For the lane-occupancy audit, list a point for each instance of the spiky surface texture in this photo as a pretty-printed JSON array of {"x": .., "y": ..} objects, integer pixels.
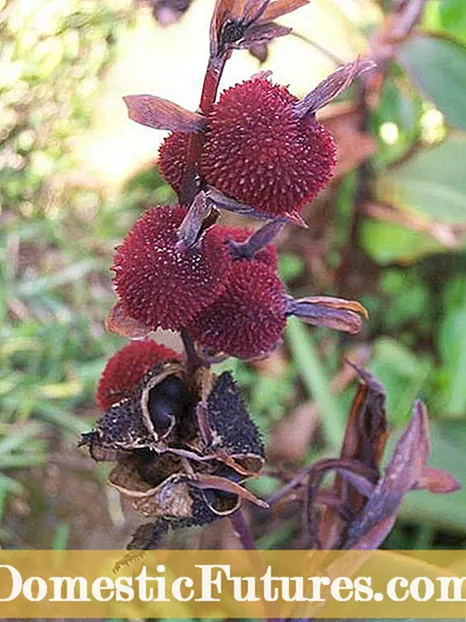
[
  {"x": 125, "y": 370},
  {"x": 258, "y": 150},
  {"x": 161, "y": 286},
  {"x": 267, "y": 255},
  {"x": 172, "y": 158},
  {"x": 248, "y": 319},
  {"x": 261, "y": 153}
]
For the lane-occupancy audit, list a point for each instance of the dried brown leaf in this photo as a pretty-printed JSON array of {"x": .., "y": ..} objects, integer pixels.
[
  {"x": 333, "y": 85},
  {"x": 335, "y": 313},
  {"x": 437, "y": 481},
  {"x": 215, "y": 482},
  {"x": 119, "y": 322},
  {"x": 278, "y": 8},
  {"x": 162, "y": 114}
]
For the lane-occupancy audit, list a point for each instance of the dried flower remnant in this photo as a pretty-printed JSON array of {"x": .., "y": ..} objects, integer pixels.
[
  {"x": 359, "y": 510},
  {"x": 237, "y": 24},
  {"x": 182, "y": 446},
  {"x": 158, "y": 284}
]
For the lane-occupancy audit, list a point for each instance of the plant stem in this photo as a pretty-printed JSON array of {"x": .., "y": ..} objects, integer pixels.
[{"x": 247, "y": 541}]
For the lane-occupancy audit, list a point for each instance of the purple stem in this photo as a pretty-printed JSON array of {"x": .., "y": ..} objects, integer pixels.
[
  {"x": 258, "y": 240},
  {"x": 247, "y": 541}
]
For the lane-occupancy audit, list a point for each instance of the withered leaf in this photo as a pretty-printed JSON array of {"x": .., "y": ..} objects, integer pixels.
[
  {"x": 334, "y": 313},
  {"x": 332, "y": 86},
  {"x": 162, "y": 114},
  {"x": 215, "y": 482},
  {"x": 401, "y": 475},
  {"x": 278, "y": 8},
  {"x": 437, "y": 481},
  {"x": 120, "y": 323}
]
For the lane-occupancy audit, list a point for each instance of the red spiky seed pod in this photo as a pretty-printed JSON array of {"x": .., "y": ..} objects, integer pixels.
[
  {"x": 172, "y": 158},
  {"x": 158, "y": 283},
  {"x": 125, "y": 370},
  {"x": 259, "y": 151},
  {"x": 248, "y": 319}
]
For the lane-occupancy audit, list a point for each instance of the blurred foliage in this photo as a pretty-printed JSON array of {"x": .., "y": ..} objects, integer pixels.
[{"x": 58, "y": 231}]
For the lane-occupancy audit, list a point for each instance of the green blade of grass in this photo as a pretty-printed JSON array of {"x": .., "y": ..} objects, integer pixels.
[{"x": 316, "y": 381}]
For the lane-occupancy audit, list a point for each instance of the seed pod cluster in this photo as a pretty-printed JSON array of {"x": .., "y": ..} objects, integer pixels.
[
  {"x": 180, "y": 438},
  {"x": 182, "y": 444},
  {"x": 231, "y": 304}
]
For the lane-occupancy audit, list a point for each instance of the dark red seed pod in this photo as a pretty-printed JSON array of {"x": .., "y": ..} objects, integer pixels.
[
  {"x": 248, "y": 319},
  {"x": 262, "y": 153},
  {"x": 125, "y": 370},
  {"x": 267, "y": 255},
  {"x": 172, "y": 158},
  {"x": 161, "y": 285}
]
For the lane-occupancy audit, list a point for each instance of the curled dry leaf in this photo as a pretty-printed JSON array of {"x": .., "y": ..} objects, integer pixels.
[
  {"x": 332, "y": 86},
  {"x": 437, "y": 481},
  {"x": 360, "y": 508},
  {"x": 215, "y": 482},
  {"x": 162, "y": 114},
  {"x": 401, "y": 475},
  {"x": 118, "y": 322},
  {"x": 335, "y": 313},
  {"x": 278, "y": 8}
]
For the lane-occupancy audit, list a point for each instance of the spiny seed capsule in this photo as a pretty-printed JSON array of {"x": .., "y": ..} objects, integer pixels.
[
  {"x": 258, "y": 150},
  {"x": 125, "y": 370},
  {"x": 158, "y": 283},
  {"x": 172, "y": 159},
  {"x": 248, "y": 319}
]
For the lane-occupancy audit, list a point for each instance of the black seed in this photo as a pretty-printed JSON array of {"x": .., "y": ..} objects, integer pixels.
[{"x": 166, "y": 402}]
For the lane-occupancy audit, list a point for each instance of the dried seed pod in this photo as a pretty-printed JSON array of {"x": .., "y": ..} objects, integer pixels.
[
  {"x": 146, "y": 416},
  {"x": 183, "y": 446},
  {"x": 248, "y": 319},
  {"x": 166, "y": 496},
  {"x": 232, "y": 428},
  {"x": 125, "y": 370},
  {"x": 160, "y": 284}
]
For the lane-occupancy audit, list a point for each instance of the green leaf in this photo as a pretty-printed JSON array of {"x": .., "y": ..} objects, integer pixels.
[
  {"x": 315, "y": 378},
  {"x": 437, "y": 66},
  {"x": 452, "y": 347},
  {"x": 453, "y": 17},
  {"x": 432, "y": 183},
  {"x": 403, "y": 374},
  {"x": 388, "y": 242}
]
